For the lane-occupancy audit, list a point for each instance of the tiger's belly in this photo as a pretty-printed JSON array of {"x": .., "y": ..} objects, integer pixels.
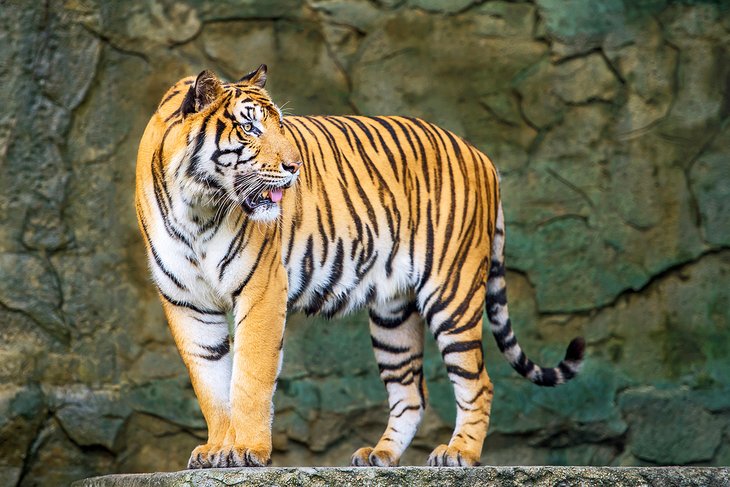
[{"x": 333, "y": 278}]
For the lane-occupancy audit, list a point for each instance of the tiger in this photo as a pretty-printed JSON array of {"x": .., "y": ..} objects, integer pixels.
[{"x": 250, "y": 214}]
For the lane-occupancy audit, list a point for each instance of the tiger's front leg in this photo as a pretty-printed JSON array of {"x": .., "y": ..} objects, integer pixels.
[
  {"x": 202, "y": 338},
  {"x": 260, "y": 313}
]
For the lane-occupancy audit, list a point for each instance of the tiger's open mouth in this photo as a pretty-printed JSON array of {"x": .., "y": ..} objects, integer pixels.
[{"x": 269, "y": 196}]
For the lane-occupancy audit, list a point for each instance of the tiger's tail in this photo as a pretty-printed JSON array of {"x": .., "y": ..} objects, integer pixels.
[{"x": 498, "y": 315}]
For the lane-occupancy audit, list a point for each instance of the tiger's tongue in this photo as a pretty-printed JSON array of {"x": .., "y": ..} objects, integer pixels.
[{"x": 276, "y": 195}]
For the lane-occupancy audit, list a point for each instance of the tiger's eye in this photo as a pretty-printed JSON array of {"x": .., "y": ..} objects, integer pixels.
[{"x": 248, "y": 126}]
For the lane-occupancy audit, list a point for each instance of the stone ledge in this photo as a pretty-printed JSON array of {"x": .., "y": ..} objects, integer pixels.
[{"x": 425, "y": 477}]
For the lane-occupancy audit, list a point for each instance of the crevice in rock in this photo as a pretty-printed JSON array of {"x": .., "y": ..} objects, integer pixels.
[
  {"x": 33, "y": 447},
  {"x": 628, "y": 293},
  {"x": 109, "y": 42},
  {"x": 572, "y": 186}
]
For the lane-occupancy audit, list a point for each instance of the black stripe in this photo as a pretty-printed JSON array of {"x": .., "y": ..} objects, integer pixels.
[
  {"x": 305, "y": 273},
  {"x": 156, "y": 257},
  {"x": 217, "y": 352},
  {"x": 455, "y": 269},
  {"x": 326, "y": 289},
  {"x": 169, "y": 97},
  {"x": 233, "y": 249},
  {"x": 420, "y": 155},
  {"x": 405, "y": 379},
  {"x": 387, "y": 348},
  {"x": 385, "y": 123},
  {"x": 474, "y": 321},
  {"x": 391, "y": 323},
  {"x": 422, "y": 390},
  {"x": 483, "y": 390},
  {"x": 496, "y": 269},
  {"x": 566, "y": 370},
  {"x": 401, "y": 364},
  {"x": 328, "y": 211},
  {"x": 461, "y": 372},
  {"x": 549, "y": 377},
  {"x": 208, "y": 322},
  {"x": 190, "y": 306},
  {"x": 429, "y": 248},
  {"x": 386, "y": 149},
  {"x": 458, "y": 347},
  {"x": 428, "y": 131},
  {"x": 407, "y": 408},
  {"x": 257, "y": 261},
  {"x": 322, "y": 238}
]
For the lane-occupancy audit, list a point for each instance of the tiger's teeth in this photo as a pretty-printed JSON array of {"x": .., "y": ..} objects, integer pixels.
[{"x": 265, "y": 194}]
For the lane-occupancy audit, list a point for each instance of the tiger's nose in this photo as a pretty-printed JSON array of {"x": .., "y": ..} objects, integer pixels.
[{"x": 291, "y": 167}]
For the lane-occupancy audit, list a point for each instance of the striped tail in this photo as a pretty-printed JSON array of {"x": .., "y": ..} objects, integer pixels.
[{"x": 498, "y": 315}]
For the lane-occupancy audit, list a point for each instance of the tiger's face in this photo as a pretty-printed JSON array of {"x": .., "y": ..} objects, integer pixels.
[{"x": 240, "y": 152}]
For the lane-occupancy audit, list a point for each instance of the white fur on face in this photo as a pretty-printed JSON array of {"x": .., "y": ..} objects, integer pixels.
[
  {"x": 268, "y": 213},
  {"x": 246, "y": 111}
]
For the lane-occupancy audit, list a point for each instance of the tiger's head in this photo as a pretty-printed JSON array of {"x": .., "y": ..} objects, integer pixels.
[{"x": 237, "y": 145}]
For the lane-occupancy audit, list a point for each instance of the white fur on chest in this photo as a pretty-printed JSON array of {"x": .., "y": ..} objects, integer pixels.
[
  {"x": 207, "y": 267},
  {"x": 222, "y": 264}
]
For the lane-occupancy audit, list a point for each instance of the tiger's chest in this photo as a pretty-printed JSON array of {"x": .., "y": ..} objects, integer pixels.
[
  {"x": 222, "y": 260},
  {"x": 204, "y": 264}
]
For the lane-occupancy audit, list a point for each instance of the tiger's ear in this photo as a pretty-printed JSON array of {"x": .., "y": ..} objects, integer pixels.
[
  {"x": 207, "y": 88},
  {"x": 257, "y": 77}
]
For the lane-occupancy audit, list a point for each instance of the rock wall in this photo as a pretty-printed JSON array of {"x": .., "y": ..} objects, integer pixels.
[{"x": 608, "y": 120}]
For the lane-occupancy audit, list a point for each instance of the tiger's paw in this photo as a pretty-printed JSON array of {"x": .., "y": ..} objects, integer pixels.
[
  {"x": 449, "y": 456},
  {"x": 200, "y": 457},
  {"x": 233, "y": 456},
  {"x": 371, "y": 457}
]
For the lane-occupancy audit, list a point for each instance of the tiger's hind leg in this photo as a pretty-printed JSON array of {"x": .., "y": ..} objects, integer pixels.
[
  {"x": 396, "y": 331},
  {"x": 454, "y": 315}
]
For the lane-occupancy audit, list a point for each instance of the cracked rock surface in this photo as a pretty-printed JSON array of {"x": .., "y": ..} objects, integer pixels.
[
  {"x": 426, "y": 477},
  {"x": 608, "y": 120}
]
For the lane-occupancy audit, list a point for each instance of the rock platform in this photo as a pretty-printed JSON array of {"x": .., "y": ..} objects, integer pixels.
[{"x": 425, "y": 477}]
